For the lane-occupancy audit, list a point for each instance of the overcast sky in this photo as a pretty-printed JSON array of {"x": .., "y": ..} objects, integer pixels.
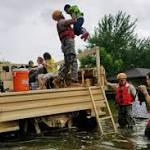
[{"x": 27, "y": 30}]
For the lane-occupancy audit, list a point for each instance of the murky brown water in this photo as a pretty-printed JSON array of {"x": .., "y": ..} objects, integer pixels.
[{"x": 83, "y": 140}]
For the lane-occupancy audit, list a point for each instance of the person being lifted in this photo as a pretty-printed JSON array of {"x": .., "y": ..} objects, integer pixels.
[
  {"x": 75, "y": 12},
  {"x": 66, "y": 36}
]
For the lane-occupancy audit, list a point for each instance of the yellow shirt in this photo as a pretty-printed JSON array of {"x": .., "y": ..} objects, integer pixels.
[{"x": 51, "y": 66}]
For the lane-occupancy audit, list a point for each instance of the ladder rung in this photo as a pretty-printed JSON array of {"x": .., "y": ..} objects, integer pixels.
[
  {"x": 109, "y": 133},
  {"x": 103, "y": 100},
  {"x": 104, "y": 118}
]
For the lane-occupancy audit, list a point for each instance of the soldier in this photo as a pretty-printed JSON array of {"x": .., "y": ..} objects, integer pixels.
[{"x": 66, "y": 36}]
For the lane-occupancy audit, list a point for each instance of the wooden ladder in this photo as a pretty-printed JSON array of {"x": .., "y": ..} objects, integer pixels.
[{"x": 101, "y": 119}]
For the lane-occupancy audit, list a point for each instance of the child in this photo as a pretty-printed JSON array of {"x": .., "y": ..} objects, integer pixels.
[
  {"x": 51, "y": 68},
  {"x": 75, "y": 12}
]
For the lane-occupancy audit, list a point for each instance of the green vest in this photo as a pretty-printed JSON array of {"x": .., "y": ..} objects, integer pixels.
[{"x": 76, "y": 11}]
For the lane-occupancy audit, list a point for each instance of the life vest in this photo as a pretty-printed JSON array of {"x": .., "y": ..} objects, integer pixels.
[
  {"x": 66, "y": 34},
  {"x": 74, "y": 10},
  {"x": 123, "y": 97}
]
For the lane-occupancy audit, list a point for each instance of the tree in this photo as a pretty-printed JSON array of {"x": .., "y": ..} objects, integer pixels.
[
  {"x": 138, "y": 54},
  {"x": 120, "y": 47}
]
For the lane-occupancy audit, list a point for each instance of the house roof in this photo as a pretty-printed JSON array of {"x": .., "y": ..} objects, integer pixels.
[
  {"x": 134, "y": 73},
  {"x": 137, "y": 72}
]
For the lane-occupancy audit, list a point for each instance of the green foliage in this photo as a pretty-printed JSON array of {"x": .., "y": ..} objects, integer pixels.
[
  {"x": 114, "y": 33},
  {"x": 138, "y": 54},
  {"x": 118, "y": 65},
  {"x": 120, "y": 47},
  {"x": 106, "y": 59},
  {"x": 88, "y": 62}
]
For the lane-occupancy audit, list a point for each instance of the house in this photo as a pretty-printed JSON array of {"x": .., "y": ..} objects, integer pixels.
[{"x": 135, "y": 75}]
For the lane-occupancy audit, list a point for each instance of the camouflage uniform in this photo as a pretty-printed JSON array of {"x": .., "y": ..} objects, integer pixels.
[
  {"x": 70, "y": 60},
  {"x": 70, "y": 64},
  {"x": 125, "y": 116}
]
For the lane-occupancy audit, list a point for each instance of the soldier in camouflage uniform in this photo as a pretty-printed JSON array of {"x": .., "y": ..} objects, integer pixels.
[{"x": 66, "y": 35}]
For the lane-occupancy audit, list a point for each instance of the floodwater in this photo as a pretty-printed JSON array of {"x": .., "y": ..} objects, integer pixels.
[{"x": 82, "y": 140}]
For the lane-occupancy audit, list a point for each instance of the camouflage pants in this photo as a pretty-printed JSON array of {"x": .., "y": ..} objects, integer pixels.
[
  {"x": 70, "y": 64},
  {"x": 125, "y": 117}
]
